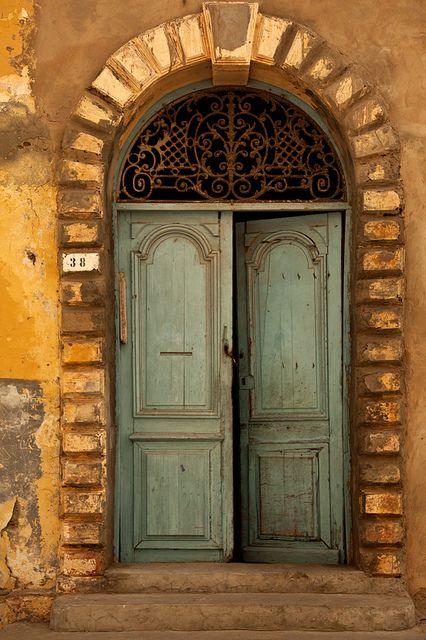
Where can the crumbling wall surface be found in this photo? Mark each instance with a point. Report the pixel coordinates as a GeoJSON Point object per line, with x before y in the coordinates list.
{"type": "Point", "coordinates": [29, 407]}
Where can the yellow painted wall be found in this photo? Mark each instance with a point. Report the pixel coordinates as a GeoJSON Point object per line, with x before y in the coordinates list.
{"type": "Point", "coordinates": [29, 359]}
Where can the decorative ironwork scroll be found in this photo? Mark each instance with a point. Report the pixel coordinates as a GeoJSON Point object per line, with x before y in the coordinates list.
{"type": "Point", "coordinates": [239, 144]}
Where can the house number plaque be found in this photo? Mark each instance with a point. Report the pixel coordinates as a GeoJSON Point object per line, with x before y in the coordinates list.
{"type": "Point", "coordinates": [72, 262]}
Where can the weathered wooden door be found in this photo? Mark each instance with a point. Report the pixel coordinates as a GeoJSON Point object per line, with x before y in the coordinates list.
{"type": "Point", "coordinates": [290, 379]}
{"type": "Point", "coordinates": [175, 379]}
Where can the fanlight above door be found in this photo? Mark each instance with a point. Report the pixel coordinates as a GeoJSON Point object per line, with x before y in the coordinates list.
{"type": "Point", "coordinates": [231, 145]}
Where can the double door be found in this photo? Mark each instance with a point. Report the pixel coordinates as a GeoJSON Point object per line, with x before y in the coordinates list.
{"type": "Point", "coordinates": [217, 306]}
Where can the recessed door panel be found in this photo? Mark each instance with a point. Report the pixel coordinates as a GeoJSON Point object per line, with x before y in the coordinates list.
{"type": "Point", "coordinates": [289, 323]}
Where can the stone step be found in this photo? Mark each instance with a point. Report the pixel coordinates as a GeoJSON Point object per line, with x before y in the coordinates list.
{"type": "Point", "coordinates": [240, 578]}
{"type": "Point", "coordinates": [232, 611]}
{"type": "Point", "coordinates": [22, 631]}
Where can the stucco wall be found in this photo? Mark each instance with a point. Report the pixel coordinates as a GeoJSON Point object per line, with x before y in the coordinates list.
{"type": "Point", "coordinates": [38, 91]}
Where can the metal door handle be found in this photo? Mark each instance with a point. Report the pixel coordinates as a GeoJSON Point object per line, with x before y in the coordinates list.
{"type": "Point", "coordinates": [122, 306]}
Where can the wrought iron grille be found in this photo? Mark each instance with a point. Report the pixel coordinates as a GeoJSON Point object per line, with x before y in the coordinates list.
{"type": "Point", "coordinates": [237, 144]}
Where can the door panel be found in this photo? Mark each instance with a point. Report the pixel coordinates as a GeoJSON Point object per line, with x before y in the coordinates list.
{"type": "Point", "coordinates": [289, 320]}
{"type": "Point", "coordinates": [175, 387]}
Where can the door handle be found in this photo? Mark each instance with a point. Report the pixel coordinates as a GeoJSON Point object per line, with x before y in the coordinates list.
{"type": "Point", "coordinates": [122, 306]}
{"type": "Point", "coordinates": [226, 349]}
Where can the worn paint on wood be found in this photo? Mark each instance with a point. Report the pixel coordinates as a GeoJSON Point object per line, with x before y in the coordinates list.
{"type": "Point", "coordinates": [289, 295]}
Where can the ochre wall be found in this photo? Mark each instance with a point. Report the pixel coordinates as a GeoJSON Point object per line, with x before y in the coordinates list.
{"type": "Point", "coordinates": [43, 74]}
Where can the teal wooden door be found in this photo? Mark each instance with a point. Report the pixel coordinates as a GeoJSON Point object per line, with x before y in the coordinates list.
{"type": "Point", "coordinates": [290, 379]}
{"type": "Point", "coordinates": [175, 384]}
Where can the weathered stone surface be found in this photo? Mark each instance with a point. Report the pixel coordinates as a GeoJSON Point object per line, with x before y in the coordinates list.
{"type": "Point", "coordinates": [301, 45]}
{"type": "Point", "coordinates": [83, 442]}
{"type": "Point", "coordinates": [270, 32]}
{"type": "Point", "coordinates": [390, 289]}
{"type": "Point", "coordinates": [132, 60]}
{"type": "Point", "coordinates": [380, 442]}
{"type": "Point", "coordinates": [81, 233]}
{"type": "Point", "coordinates": [385, 563]}
{"type": "Point", "coordinates": [380, 351]}
{"type": "Point", "coordinates": [368, 113]}
{"type": "Point", "coordinates": [88, 292]}
{"type": "Point", "coordinates": [82, 503]}
{"type": "Point", "coordinates": [383, 260]}
{"type": "Point", "coordinates": [84, 142]}
{"type": "Point", "coordinates": [381, 200]}
{"type": "Point", "coordinates": [382, 169]}
{"type": "Point", "coordinates": [346, 89]}
{"type": "Point", "coordinates": [81, 564]}
{"type": "Point", "coordinates": [81, 473]}
{"type": "Point", "coordinates": [80, 320]}
{"type": "Point", "coordinates": [389, 381]}
{"type": "Point", "coordinates": [78, 203]}
{"type": "Point", "coordinates": [157, 43]}
{"type": "Point", "coordinates": [84, 412]}
{"type": "Point", "coordinates": [112, 88]}
{"type": "Point", "coordinates": [82, 351]}
{"type": "Point", "coordinates": [382, 532]}
{"type": "Point", "coordinates": [377, 141]}
{"type": "Point", "coordinates": [382, 503]}
{"type": "Point", "coordinates": [229, 611]}
{"type": "Point", "coordinates": [73, 171]}
{"type": "Point", "coordinates": [384, 319]}
{"type": "Point", "coordinates": [83, 381]}
{"type": "Point", "coordinates": [328, 63]}
{"type": "Point", "coordinates": [386, 412]}
{"type": "Point", "coordinates": [97, 112]}
{"type": "Point", "coordinates": [382, 230]}
{"type": "Point", "coordinates": [374, 471]}
{"type": "Point", "coordinates": [192, 39]}
{"type": "Point", "coordinates": [81, 532]}
{"type": "Point", "coordinates": [230, 33]}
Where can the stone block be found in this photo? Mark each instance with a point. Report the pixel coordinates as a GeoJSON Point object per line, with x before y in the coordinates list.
{"type": "Point", "coordinates": [157, 43]}
{"type": "Point", "coordinates": [88, 292]}
{"type": "Point", "coordinates": [385, 503]}
{"type": "Point", "coordinates": [383, 260]}
{"type": "Point", "coordinates": [86, 143]}
{"type": "Point", "coordinates": [83, 381]}
{"type": "Point", "coordinates": [137, 67]}
{"type": "Point", "coordinates": [384, 350]}
{"type": "Point", "coordinates": [368, 113]}
{"type": "Point", "coordinates": [346, 89]}
{"type": "Point", "coordinates": [82, 351]}
{"type": "Point", "coordinates": [387, 412]}
{"type": "Point", "coordinates": [385, 563]}
{"type": "Point", "coordinates": [80, 584]}
{"type": "Point", "coordinates": [382, 230]}
{"type": "Point", "coordinates": [192, 39]}
{"type": "Point", "coordinates": [82, 503]}
{"type": "Point", "coordinates": [381, 532]}
{"type": "Point", "coordinates": [383, 169]}
{"type": "Point", "coordinates": [230, 34]}
{"type": "Point", "coordinates": [389, 289]}
{"type": "Point", "coordinates": [74, 171]}
{"type": "Point", "coordinates": [381, 200]}
{"type": "Point", "coordinates": [81, 473]}
{"type": "Point", "coordinates": [82, 321]}
{"type": "Point", "coordinates": [327, 64]}
{"type": "Point", "coordinates": [113, 88]}
{"type": "Point", "coordinates": [389, 381]}
{"type": "Point", "coordinates": [384, 319]}
{"type": "Point", "coordinates": [83, 442]}
{"type": "Point", "coordinates": [300, 47]}
{"type": "Point", "coordinates": [97, 112]}
{"type": "Point", "coordinates": [80, 233]}
{"type": "Point", "coordinates": [269, 35]}
{"type": "Point", "coordinates": [379, 442]}
{"type": "Point", "coordinates": [83, 563]}
{"type": "Point", "coordinates": [78, 203]}
{"type": "Point", "coordinates": [375, 142]}
{"type": "Point", "coordinates": [377, 471]}
{"type": "Point", "coordinates": [92, 412]}
{"type": "Point", "coordinates": [80, 533]}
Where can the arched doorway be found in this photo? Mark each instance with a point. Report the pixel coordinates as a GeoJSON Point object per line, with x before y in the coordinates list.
{"type": "Point", "coordinates": [230, 207]}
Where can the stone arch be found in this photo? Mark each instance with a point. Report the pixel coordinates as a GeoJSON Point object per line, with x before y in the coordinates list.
{"type": "Point", "coordinates": [230, 43]}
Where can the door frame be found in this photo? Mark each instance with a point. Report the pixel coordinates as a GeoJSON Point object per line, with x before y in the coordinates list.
{"type": "Point", "coordinates": [278, 208]}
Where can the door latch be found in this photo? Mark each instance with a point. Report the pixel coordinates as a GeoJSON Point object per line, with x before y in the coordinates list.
{"type": "Point", "coordinates": [226, 349]}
